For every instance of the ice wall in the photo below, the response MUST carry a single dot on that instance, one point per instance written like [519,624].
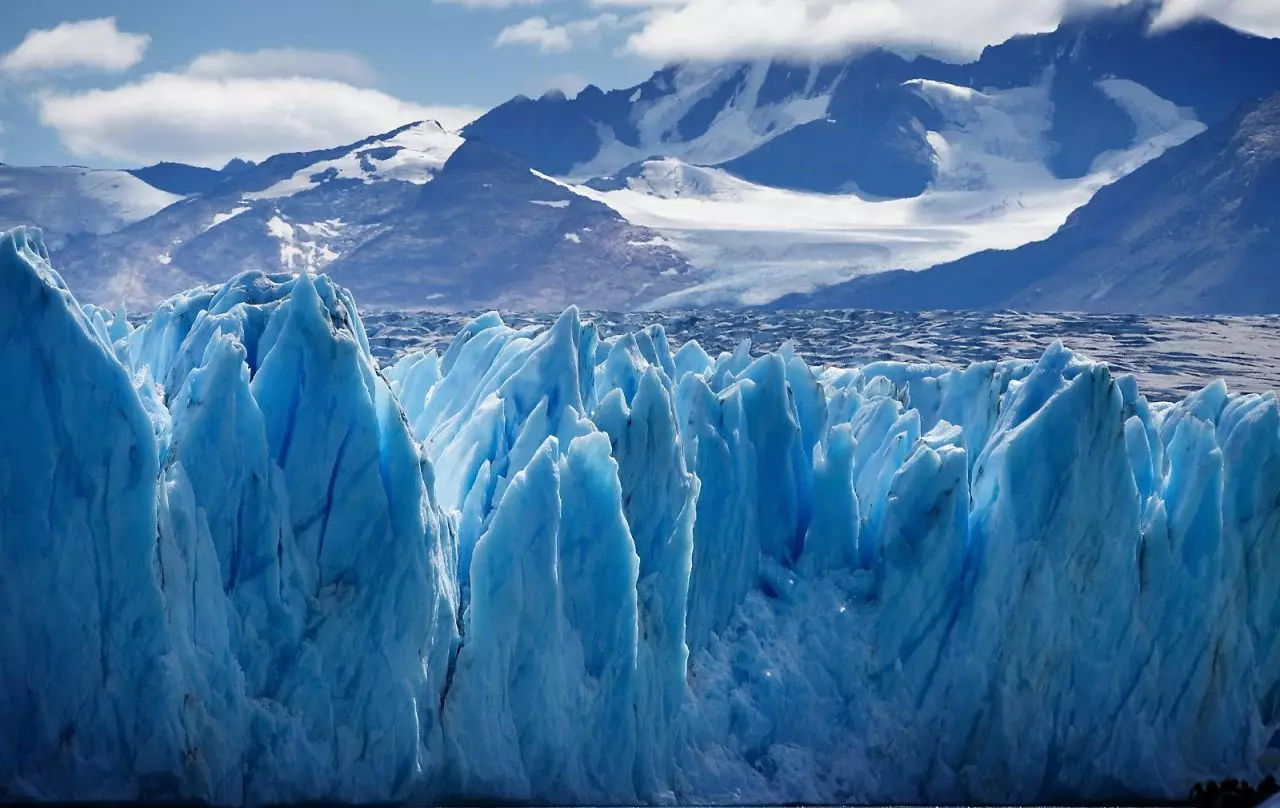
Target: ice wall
[240,562]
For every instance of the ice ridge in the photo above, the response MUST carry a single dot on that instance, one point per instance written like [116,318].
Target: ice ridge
[240,562]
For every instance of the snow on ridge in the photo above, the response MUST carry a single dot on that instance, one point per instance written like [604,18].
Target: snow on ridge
[671,178]
[131,198]
[941,92]
[994,139]
[69,200]
[415,155]
[742,126]
[220,218]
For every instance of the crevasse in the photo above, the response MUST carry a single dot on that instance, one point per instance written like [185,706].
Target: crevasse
[241,563]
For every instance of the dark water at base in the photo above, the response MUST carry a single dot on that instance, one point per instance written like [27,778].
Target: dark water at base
[1171,356]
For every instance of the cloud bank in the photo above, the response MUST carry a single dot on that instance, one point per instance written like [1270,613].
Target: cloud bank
[722,30]
[227,104]
[1260,17]
[283,62]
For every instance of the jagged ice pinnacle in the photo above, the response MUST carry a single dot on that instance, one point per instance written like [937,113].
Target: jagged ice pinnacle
[241,562]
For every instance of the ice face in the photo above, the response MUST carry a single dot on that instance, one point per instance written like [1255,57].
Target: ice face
[240,562]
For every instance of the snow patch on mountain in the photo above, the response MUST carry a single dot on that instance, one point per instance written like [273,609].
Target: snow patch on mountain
[742,125]
[1161,125]
[72,200]
[130,198]
[304,253]
[674,179]
[411,155]
[995,139]
[219,218]
[327,229]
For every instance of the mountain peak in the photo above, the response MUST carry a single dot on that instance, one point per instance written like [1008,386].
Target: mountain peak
[179,178]
[476,152]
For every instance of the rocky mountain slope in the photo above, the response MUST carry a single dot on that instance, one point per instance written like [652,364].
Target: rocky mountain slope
[369,213]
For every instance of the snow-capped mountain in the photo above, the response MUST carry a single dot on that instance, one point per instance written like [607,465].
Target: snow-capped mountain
[706,185]
[861,123]
[370,214]
[488,232]
[247,221]
[992,189]
[1193,231]
[72,201]
[778,178]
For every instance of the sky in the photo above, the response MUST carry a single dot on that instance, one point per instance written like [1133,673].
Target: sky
[127,83]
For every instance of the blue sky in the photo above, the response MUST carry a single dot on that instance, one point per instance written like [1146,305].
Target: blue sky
[132,82]
[426,53]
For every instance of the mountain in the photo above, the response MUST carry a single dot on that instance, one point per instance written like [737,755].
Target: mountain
[777,179]
[703,186]
[1194,231]
[367,213]
[858,124]
[993,188]
[73,202]
[489,232]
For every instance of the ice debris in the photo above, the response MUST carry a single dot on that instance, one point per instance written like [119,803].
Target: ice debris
[239,562]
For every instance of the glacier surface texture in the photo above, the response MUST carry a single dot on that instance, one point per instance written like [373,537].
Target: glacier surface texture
[241,562]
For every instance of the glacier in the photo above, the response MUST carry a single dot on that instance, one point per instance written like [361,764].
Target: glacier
[240,562]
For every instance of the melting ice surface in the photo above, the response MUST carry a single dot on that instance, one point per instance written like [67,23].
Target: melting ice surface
[240,562]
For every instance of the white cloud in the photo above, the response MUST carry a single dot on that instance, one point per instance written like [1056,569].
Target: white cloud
[283,63]
[734,29]
[1260,17]
[92,44]
[715,30]
[207,121]
[568,83]
[536,31]
[548,38]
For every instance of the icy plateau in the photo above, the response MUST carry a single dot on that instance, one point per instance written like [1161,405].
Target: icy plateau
[242,563]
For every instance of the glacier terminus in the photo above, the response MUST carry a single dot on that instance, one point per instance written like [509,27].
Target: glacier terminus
[241,562]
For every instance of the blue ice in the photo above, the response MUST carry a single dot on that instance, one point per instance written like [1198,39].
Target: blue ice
[242,562]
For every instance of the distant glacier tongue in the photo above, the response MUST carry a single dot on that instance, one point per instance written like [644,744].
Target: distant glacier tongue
[241,563]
